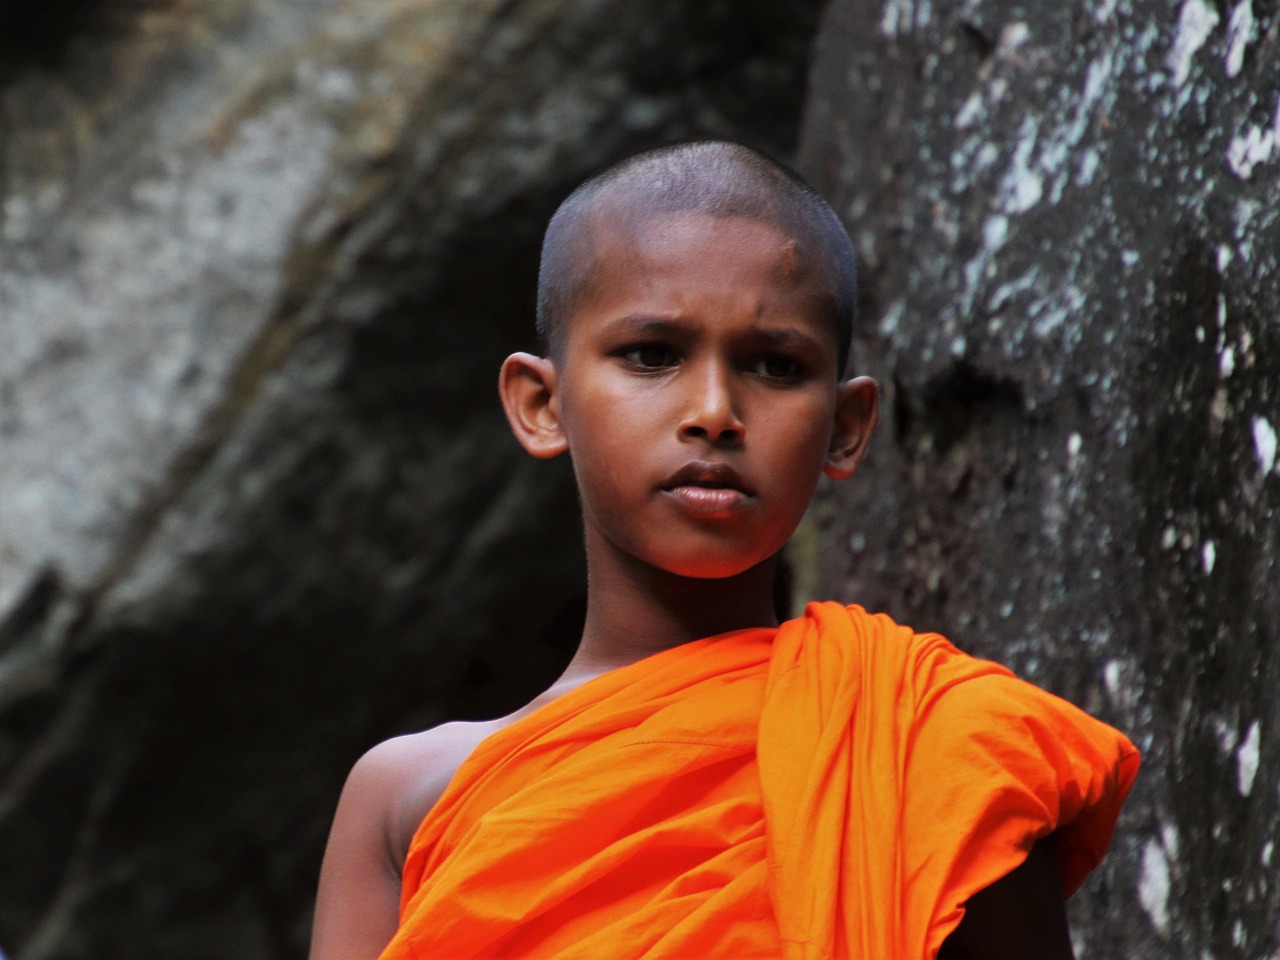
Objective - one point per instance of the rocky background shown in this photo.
(260, 259)
(1069, 219)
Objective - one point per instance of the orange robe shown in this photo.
(837, 787)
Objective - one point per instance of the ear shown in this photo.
(857, 409)
(527, 385)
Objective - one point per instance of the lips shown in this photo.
(708, 488)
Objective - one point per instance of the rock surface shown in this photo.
(1069, 223)
(259, 262)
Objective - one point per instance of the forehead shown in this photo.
(656, 241)
(678, 257)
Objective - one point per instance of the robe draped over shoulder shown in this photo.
(835, 787)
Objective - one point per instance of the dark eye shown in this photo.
(776, 366)
(650, 356)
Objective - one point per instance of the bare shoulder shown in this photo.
(388, 792)
(413, 771)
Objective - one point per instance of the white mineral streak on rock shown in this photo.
(1013, 37)
(1051, 313)
(1208, 555)
(1264, 444)
(1243, 216)
(1153, 885)
(1242, 29)
(1038, 155)
(998, 90)
(1098, 92)
(1006, 292)
(1195, 23)
(1253, 147)
(969, 111)
(1111, 674)
(995, 232)
(1225, 732)
(890, 18)
(1022, 186)
(892, 316)
(1089, 160)
(1247, 759)
(903, 16)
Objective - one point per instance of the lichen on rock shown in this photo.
(1069, 225)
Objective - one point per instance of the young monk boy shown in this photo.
(702, 782)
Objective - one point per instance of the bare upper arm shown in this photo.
(1019, 917)
(358, 901)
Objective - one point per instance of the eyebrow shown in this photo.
(788, 339)
(647, 324)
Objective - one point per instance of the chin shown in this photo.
(711, 568)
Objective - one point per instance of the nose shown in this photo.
(711, 414)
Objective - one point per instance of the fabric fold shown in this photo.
(837, 787)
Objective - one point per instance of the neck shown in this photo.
(635, 610)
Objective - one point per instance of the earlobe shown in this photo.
(527, 386)
(857, 409)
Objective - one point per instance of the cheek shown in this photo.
(612, 424)
(800, 440)
(603, 450)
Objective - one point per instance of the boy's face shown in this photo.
(696, 391)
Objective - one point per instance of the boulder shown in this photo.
(1068, 220)
(259, 263)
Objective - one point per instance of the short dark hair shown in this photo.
(715, 177)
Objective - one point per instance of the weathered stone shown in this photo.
(1069, 221)
(259, 262)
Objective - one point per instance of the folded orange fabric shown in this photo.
(837, 787)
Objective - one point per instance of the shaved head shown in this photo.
(714, 178)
